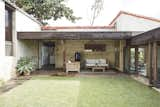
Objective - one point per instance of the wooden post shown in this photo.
(149, 62)
(38, 55)
(154, 61)
(136, 60)
(129, 58)
(64, 59)
(64, 55)
(126, 58)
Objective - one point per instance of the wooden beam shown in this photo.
(149, 62)
(136, 59)
(126, 59)
(64, 54)
(74, 35)
(143, 38)
(38, 56)
(154, 61)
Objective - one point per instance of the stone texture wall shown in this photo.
(72, 46)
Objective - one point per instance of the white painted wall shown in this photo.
(2, 38)
(2, 28)
(7, 67)
(28, 48)
(24, 23)
(6, 63)
(131, 23)
(21, 22)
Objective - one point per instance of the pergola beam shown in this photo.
(144, 38)
(73, 35)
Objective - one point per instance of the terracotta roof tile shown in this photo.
(135, 15)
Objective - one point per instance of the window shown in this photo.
(95, 47)
(8, 32)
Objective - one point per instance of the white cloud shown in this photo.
(111, 8)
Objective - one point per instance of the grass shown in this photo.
(113, 91)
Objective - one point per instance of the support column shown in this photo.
(126, 58)
(149, 62)
(154, 61)
(38, 55)
(121, 58)
(136, 60)
(64, 55)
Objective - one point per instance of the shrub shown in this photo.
(25, 66)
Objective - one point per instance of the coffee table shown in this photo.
(98, 68)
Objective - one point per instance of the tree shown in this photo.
(46, 9)
(95, 10)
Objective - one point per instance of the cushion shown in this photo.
(96, 62)
(102, 61)
(90, 65)
(104, 65)
(90, 61)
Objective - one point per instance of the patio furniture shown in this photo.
(98, 63)
(98, 68)
(72, 66)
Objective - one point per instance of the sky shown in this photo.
(111, 8)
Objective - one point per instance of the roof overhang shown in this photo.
(73, 35)
(144, 38)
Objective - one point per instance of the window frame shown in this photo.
(9, 31)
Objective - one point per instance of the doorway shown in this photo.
(48, 55)
(137, 62)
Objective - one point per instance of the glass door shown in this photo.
(132, 60)
(142, 61)
(48, 58)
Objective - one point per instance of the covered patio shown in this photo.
(62, 46)
(151, 42)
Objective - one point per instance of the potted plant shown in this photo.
(25, 66)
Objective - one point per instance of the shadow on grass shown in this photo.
(13, 83)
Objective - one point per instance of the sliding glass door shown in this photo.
(142, 61)
(132, 60)
(137, 60)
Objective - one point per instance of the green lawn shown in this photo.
(111, 91)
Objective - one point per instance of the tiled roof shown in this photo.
(111, 26)
(135, 15)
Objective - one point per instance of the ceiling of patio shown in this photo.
(144, 38)
(74, 35)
